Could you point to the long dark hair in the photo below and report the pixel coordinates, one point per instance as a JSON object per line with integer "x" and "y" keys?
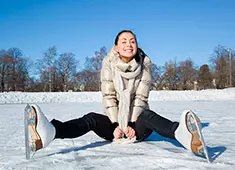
{"x": 117, "y": 37}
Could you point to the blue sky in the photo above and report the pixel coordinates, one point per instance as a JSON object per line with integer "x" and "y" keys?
{"x": 165, "y": 29}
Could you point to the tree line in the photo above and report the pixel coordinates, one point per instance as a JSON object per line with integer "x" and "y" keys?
{"x": 60, "y": 72}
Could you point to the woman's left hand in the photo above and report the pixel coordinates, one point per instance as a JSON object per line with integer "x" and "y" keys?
{"x": 130, "y": 132}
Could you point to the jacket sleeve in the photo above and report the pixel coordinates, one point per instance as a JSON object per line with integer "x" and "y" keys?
{"x": 140, "y": 101}
{"x": 108, "y": 92}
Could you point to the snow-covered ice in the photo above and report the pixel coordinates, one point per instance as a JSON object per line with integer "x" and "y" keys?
{"x": 216, "y": 109}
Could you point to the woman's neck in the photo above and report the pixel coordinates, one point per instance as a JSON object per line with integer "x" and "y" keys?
{"x": 126, "y": 59}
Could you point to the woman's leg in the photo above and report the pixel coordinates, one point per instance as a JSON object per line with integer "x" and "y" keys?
{"x": 98, "y": 123}
{"x": 149, "y": 121}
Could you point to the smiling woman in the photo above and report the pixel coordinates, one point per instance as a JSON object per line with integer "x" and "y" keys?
{"x": 126, "y": 45}
{"x": 125, "y": 85}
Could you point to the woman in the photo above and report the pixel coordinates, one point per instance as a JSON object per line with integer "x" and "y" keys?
{"x": 126, "y": 79}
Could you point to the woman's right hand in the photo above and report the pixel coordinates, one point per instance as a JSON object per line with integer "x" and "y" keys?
{"x": 117, "y": 133}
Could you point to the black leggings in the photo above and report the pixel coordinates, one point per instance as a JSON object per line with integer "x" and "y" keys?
{"x": 147, "y": 122}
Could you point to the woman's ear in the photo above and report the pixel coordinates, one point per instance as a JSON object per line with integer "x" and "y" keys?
{"x": 116, "y": 48}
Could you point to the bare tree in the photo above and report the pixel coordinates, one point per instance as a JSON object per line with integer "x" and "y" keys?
{"x": 205, "y": 77}
{"x": 171, "y": 75}
{"x": 14, "y": 70}
{"x": 22, "y": 74}
{"x": 16, "y": 58}
{"x": 66, "y": 66}
{"x": 5, "y": 61}
{"x": 87, "y": 80}
{"x": 47, "y": 69}
{"x": 94, "y": 63}
{"x": 220, "y": 64}
{"x": 157, "y": 76}
{"x": 187, "y": 74}
{"x": 92, "y": 69}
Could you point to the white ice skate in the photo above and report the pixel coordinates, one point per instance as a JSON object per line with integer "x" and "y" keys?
{"x": 189, "y": 134}
{"x": 39, "y": 132}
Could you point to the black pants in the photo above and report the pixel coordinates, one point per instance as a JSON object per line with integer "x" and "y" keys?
{"x": 147, "y": 122}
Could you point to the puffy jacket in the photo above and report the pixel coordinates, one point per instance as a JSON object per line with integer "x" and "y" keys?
{"x": 140, "y": 90}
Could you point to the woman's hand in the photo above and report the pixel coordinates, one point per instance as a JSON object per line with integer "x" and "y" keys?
{"x": 117, "y": 133}
{"x": 130, "y": 132}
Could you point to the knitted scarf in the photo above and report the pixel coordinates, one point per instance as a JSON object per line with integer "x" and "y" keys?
{"x": 125, "y": 93}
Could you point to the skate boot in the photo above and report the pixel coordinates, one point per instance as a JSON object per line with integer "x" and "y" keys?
{"x": 39, "y": 132}
{"x": 189, "y": 134}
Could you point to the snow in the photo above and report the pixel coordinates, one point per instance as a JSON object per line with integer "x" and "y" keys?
{"x": 68, "y": 97}
{"x": 216, "y": 109}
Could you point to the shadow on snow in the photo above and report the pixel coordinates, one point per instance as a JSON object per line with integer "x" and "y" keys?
{"x": 74, "y": 149}
{"x": 214, "y": 152}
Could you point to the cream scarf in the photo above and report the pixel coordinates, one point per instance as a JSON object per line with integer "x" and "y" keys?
{"x": 134, "y": 69}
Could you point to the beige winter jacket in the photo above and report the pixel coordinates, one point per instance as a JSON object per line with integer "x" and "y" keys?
{"x": 111, "y": 66}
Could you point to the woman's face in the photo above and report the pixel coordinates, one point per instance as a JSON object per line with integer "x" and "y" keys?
{"x": 126, "y": 46}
